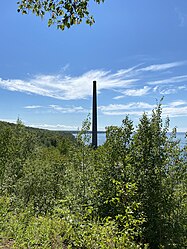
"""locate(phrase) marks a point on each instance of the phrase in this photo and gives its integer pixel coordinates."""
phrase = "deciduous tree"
(63, 14)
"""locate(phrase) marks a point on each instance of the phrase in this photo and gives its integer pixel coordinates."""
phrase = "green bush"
(129, 193)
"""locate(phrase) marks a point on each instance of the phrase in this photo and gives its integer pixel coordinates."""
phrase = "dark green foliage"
(115, 179)
(41, 181)
(63, 14)
(31, 162)
(158, 163)
(149, 161)
(58, 192)
(16, 146)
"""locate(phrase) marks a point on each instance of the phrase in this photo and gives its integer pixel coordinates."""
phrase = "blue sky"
(136, 50)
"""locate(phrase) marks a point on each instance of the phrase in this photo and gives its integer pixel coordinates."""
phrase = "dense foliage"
(63, 14)
(59, 192)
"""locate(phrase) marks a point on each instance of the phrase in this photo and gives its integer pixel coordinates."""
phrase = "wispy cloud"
(168, 91)
(58, 108)
(182, 17)
(32, 106)
(66, 87)
(119, 97)
(176, 111)
(126, 107)
(54, 127)
(177, 108)
(70, 109)
(178, 103)
(182, 87)
(161, 67)
(137, 92)
(175, 79)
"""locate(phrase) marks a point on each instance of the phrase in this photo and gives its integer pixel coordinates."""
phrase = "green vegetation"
(58, 192)
(63, 14)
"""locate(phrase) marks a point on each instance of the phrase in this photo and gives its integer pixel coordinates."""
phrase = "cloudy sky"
(137, 52)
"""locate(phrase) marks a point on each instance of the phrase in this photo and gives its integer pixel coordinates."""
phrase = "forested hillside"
(58, 192)
(42, 137)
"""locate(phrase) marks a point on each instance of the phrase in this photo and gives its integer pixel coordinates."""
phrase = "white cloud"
(119, 97)
(57, 108)
(156, 88)
(182, 87)
(54, 127)
(176, 108)
(178, 103)
(32, 106)
(168, 91)
(70, 109)
(175, 79)
(165, 90)
(14, 121)
(176, 111)
(129, 72)
(123, 113)
(127, 107)
(137, 92)
(68, 87)
(161, 67)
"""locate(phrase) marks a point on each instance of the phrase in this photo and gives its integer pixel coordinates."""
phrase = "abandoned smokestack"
(94, 116)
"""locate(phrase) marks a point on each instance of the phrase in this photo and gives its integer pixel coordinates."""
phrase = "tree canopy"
(62, 13)
(59, 192)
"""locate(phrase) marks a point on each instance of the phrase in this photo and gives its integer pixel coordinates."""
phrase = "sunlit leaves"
(63, 14)
(130, 190)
